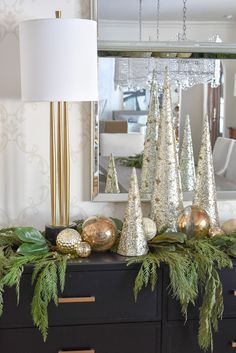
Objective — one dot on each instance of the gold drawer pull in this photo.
(86, 351)
(233, 344)
(77, 300)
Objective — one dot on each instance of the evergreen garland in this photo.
(48, 277)
(193, 271)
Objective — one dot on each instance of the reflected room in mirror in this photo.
(130, 101)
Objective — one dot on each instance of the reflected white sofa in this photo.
(226, 176)
(221, 154)
(121, 145)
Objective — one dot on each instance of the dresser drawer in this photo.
(114, 338)
(228, 278)
(89, 297)
(179, 338)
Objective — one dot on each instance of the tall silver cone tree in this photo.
(112, 185)
(167, 198)
(187, 166)
(133, 241)
(205, 190)
(149, 153)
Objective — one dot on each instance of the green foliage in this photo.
(29, 249)
(132, 161)
(193, 270)
(30, 235)
(193, 266)
(48, 276)
(118, 223)
(8, 238)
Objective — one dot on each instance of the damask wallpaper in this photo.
(24, 132)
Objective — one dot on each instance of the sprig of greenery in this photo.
(193, 266)
(48, 276)
(131, 161)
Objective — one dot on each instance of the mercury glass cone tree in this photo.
(132, 240)
(205, 190)
(149, 153)
(167, 197)
(187, 166)
(112, 185)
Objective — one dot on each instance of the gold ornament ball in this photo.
(194, 221)
(150, 228)
(100, 233)
(83, 249)
(215, 231)
(67, 240)
(229, 226)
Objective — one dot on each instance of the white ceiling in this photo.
(170, 10)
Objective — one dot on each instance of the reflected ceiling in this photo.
(171, 10)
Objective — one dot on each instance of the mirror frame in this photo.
(148, 49)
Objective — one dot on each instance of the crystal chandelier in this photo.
(185, 73)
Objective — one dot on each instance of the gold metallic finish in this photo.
(112, 184)
(229, 226)
(214, 231)
(233, 344)
(149, 152)
(53, 164)
(83, 351)
(167, 196)
(83, 249)
(66, 165)
(58, 14)
(91, 299)
(60, 164)
(100, 233)
(149, 227)
(205, 191)
(67, 240)
(132, 239)
(194, 221)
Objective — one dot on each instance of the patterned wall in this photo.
(24, 132)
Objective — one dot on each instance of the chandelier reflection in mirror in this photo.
(136, 73)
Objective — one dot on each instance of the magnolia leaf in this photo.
(32, 249)
(118, 223)
(169, 237)
(30, 235)
(167, 245)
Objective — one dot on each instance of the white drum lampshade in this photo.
(58, 60)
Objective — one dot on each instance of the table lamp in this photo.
(58, 59)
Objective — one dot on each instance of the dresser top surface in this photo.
(96, 262)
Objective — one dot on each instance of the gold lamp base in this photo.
(59, 168)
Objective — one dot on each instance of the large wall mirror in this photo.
(202, 82)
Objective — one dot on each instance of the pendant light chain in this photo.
(158, 19)
(184, 37)
(140, 20)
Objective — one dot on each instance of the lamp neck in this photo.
(58, 14)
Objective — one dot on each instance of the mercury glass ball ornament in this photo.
(150, 228)
(215, 231)
(100, 233)
(229, 226)
(194, 221)
(83, 249)
(67, 240)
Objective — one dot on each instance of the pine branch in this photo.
(48, 275)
